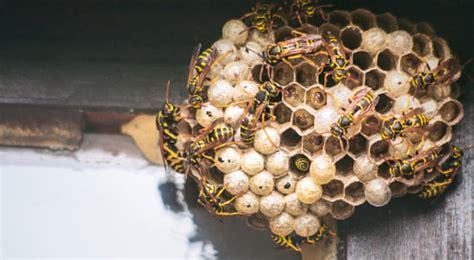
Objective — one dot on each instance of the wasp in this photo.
(210, 196)
(294, 241)
(337, 55)
(307, 9)
(199, 67)
(408, 167)
(361, 103)
(447, 172)
(412, 121)
(263, 18)
(302, 164)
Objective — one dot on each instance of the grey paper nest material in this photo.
(271, 190)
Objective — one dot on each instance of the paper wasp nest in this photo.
(270, 190)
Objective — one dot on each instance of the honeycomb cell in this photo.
(262, 184)
(440, 49)
(260, 73)
(313, 142)
(282, 74)
(374, 79)
(334, 146)
(354, 193)
(398, 189)
(406, 25)
(306, 74)
(379, 149)
(282, 113)
(294, 95)
(437, 92)
(438, 130)
(411, 64)
(327, 28)
(341, 210)
(387, 22)
(340, 18)
(258, 221)
(307, 191)
(333, 190)
(286, 184)
(421, 45)
(425, 28)
(293, 206)
(351, 38)
(377, 193)
(405, 103)
(322, 169)
(282, 224)
(365, 168)
(299, 165)
(316, 98)
(371, 125)
(383, 171)
(307, 225)
(397, 83)
(344, 166)
(451, 112)
(357, 145)
(272, 204)
(355, 79)
(400, 42)
(362, 59)
(400, 147)
(374, 40)
(290, 138)
(303, 119)
(385, 104)
(363, 18)
(386, 60)
(277, 163)
(266, 140)
(325, 117)
(283, 34)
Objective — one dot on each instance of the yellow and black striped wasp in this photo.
(199, 67)
(414, 121)
(166, 123)
(337, 55)
(263, 18)
(361, 104)
(294, 242)
(210, 197)
(447, 172)
(408, 167)
(303, 10)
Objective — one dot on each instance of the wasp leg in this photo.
(227, 214)
(227, 202)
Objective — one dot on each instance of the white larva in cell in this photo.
(252, 162)
(307, 225)
(293, 206)
(377, 192)
(247, 204)
(236, 71)
(397, 83)
(374, 40)
(207, 114)
(277, 163)
(267, 140)
(245, 91)
(272, 204)
(286, 184)
(282, 224)
(400, 42)
(220, 93)
(226, 51)
(236, 31)
(322, 169)
(236, 182)
(227, 159)
(365, 168)
(308, 191)
(262, 183)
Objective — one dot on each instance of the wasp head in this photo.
(170, 110)
(271, 54)
(394, 169)
(195, 101)
(457, 152)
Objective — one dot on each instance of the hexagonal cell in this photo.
(306, 74)
(282, 113)
(260, 73)
(303, 119)
(294, 95)
(258, 221)
(282, 74)
(425, 28)
(374, 79)
(334, 146)
(371, 125)
(351, 38)
(385, 104)
(333, 190)
(438, 131)
(383, 171)
(316, 98)
(398, 189)
(387, 22)
(421, 45)
(354, 193)
(440, 49)
(344, 166)
(341, 210)
(340, 18)
(451, 112)
(362, 59)
(283, 34)
(411, 64)
(357, 145)
(379, 149)
(299, 165)
(386, 60)
(290, 138)
(363, 18)
(313, 142)
(328, 28)
(406, 25)
(355, 79)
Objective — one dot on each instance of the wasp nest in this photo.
(296, 172)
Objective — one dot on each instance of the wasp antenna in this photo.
(466, 63)
(168, 86)
(254, 51)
